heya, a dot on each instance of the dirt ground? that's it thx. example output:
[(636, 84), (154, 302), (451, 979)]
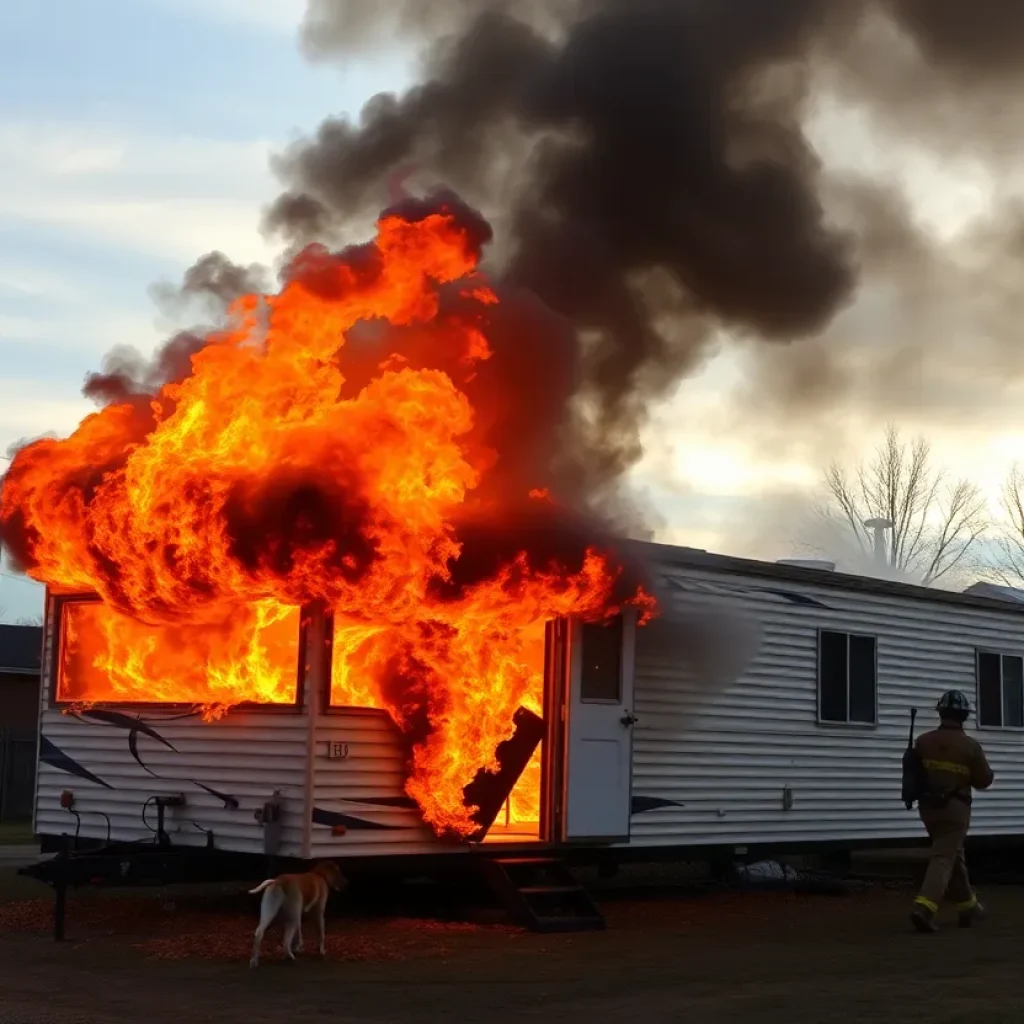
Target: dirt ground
[(15, 832), (729, 957)]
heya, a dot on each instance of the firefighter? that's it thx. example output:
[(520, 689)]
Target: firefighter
[(954, 764)]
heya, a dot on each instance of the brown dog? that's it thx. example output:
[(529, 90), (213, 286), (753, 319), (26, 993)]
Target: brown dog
[(295, 895)]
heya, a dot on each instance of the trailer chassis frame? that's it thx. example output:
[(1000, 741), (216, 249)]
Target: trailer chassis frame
[(123, 865)]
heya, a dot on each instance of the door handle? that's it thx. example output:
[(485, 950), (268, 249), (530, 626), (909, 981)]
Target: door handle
[(628, 719)]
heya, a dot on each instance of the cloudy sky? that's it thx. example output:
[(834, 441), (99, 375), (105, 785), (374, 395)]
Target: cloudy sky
[(135, 135)]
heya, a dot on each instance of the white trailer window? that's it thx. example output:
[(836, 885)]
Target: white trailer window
[(601, 655), (847, 678), (1000, 684)]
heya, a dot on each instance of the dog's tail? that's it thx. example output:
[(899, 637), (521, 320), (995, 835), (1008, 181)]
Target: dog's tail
[(263, 885)]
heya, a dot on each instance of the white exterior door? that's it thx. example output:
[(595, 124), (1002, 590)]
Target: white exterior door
[(599, 731)]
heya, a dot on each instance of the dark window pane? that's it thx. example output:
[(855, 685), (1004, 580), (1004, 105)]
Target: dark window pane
[(990, 702), (1013, 691), (862, 679), (601, 655), (832, 700)]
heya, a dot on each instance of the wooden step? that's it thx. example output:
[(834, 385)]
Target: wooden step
[(549, 901)]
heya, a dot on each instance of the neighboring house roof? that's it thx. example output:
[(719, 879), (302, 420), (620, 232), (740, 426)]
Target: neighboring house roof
[(21, 649)]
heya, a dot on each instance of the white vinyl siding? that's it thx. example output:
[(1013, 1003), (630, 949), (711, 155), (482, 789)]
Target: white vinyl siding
[(733, 755), (248, 754)]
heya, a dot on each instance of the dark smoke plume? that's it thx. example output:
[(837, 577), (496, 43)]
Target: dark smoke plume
[(649, 167), (127, 374), (208, 287), (212, 281), (983, 39)]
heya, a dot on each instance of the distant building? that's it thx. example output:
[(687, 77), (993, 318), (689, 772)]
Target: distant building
[(21, 650)]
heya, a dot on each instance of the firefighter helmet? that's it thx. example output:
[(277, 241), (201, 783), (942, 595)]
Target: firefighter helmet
[(955, 702)]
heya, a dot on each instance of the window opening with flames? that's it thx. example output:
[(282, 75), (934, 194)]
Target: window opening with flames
[(107, 657), (459, 700)]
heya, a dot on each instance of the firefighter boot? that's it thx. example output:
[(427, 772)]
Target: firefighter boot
[(922, 917), (970, 913)]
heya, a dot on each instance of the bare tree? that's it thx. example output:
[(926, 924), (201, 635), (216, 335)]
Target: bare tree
[(935, 522), (1008, 565), (30, 620)]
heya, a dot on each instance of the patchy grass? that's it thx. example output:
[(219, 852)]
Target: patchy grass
[(16, 833), (727, 957)]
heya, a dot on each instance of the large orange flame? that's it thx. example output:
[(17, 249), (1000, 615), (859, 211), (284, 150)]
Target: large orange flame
[(301, 462)]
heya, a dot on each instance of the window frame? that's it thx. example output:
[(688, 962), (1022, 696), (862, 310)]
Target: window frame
[(978, 651), (56, 648), (606, 701), (327, 668), (847, 724)]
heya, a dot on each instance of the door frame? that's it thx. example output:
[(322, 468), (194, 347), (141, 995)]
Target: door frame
[(553, 760), (561, 648)]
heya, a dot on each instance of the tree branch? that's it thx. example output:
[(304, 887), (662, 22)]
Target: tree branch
[(935, 525)]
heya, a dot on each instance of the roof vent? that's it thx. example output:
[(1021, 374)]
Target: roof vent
[(819, 564)]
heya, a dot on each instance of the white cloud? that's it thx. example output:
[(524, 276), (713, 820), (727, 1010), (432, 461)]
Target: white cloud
[(947, 193), (160, 195), (21, 326), (726, 469), (182, 229), (699, 447), (81, 333), (29, 408), (32, 282), (272, 15)]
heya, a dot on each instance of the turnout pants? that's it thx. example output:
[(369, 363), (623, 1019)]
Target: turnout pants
[(947, 869)]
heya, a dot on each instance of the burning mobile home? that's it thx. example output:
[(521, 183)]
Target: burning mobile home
[(728, 725), (307, 522), (321, 594)]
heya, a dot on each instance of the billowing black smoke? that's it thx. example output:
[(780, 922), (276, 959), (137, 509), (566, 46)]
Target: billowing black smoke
[(647, 164), (207, 289)]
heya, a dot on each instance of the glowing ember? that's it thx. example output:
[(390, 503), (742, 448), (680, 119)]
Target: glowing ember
[(335, 445)]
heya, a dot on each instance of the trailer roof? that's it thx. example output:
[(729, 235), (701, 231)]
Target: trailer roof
[(986, 596), (978, 596)]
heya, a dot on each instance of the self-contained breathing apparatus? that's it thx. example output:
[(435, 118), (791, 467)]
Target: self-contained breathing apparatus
[(916, 788), (915, 777)]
